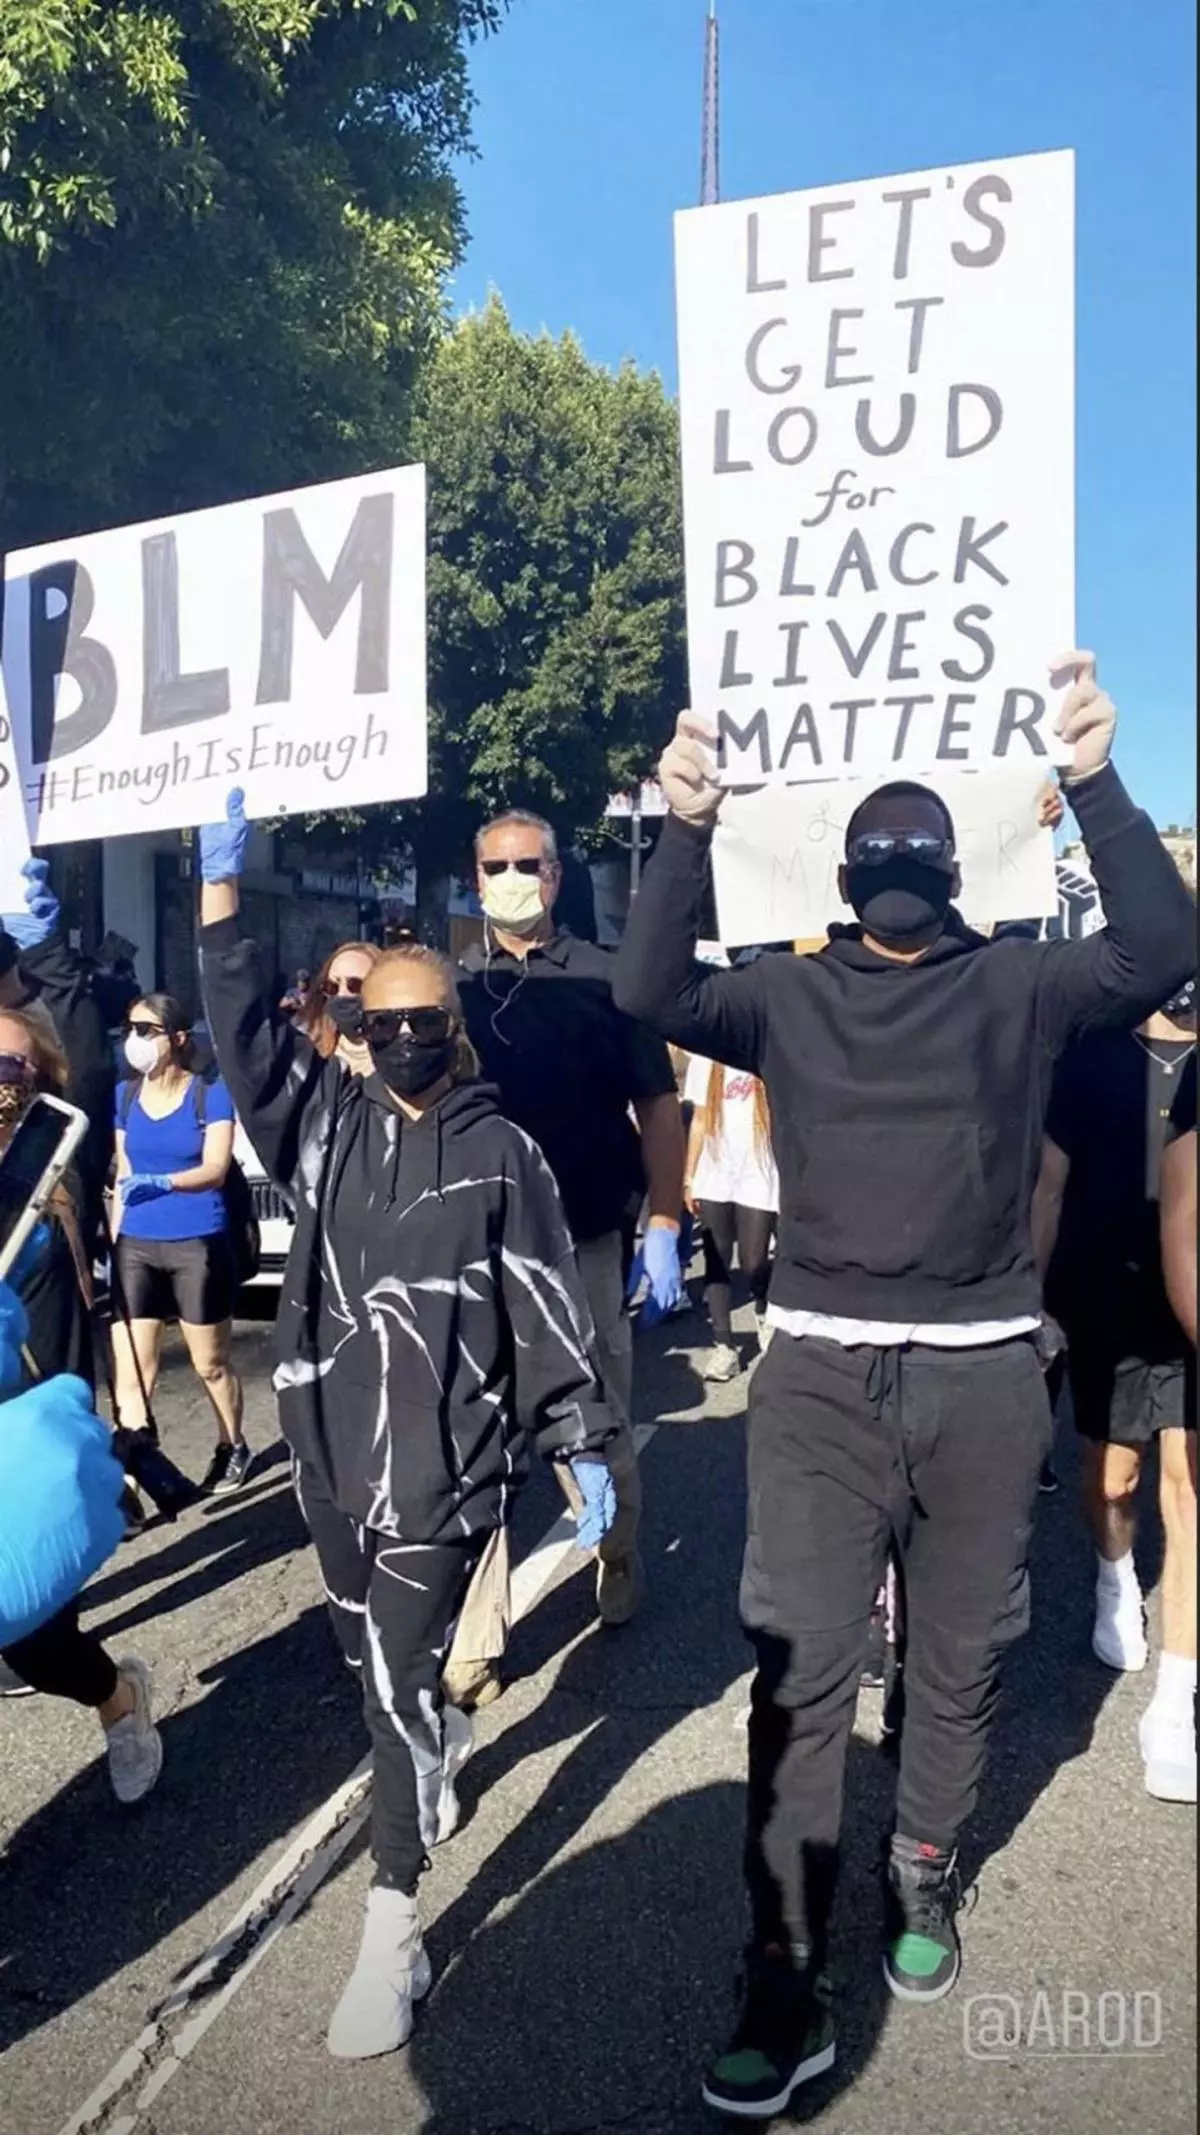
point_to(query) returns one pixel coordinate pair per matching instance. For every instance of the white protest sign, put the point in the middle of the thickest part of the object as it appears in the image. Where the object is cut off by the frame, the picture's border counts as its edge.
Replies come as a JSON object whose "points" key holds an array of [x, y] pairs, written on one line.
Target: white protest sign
{"points": [[276, 644], [877, 411], [777, 851]]}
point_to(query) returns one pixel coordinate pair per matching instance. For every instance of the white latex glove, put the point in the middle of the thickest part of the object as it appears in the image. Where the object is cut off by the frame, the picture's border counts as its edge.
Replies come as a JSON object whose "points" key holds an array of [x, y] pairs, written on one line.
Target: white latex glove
{"points": [[685, 771], [1088, 718]]}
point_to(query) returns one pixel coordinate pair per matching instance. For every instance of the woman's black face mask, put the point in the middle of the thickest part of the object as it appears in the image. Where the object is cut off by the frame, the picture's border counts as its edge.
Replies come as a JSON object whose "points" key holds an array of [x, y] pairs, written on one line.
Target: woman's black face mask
{"points": [[344, 1011], [408, 1067]]}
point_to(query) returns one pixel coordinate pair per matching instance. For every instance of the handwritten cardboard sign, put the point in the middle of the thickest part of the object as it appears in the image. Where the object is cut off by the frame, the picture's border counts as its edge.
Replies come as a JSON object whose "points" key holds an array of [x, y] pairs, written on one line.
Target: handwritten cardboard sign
{"points": [[276, 644], [777, 851], [877, 405]]}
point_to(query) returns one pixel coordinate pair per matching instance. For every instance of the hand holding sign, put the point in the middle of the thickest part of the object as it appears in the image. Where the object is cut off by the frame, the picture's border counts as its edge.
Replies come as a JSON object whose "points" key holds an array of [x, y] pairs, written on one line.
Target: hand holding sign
{"points": [[685, 771], [1088, 719]]}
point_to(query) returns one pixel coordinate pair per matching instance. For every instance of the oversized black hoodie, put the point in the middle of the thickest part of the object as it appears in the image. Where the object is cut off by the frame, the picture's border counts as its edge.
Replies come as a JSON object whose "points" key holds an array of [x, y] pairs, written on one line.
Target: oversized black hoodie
{"points": [[907, 1100], [432, 1316]]}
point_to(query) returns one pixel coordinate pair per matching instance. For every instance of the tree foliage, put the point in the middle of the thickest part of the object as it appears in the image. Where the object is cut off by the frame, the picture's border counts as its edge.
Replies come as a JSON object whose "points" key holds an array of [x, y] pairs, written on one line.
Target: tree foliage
{"points": [[555, 580], [225, 227]]}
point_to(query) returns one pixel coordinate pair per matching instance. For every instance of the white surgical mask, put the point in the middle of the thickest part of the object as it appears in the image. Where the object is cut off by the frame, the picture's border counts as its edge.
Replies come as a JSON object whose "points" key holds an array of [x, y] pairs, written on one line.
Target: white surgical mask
{"points": [[514, 901], [142, 1053]]}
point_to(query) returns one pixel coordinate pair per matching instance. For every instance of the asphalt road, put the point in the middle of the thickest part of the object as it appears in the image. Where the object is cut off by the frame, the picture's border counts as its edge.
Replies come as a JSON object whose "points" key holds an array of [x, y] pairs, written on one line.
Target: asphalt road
{"points": [[585, 1924]]}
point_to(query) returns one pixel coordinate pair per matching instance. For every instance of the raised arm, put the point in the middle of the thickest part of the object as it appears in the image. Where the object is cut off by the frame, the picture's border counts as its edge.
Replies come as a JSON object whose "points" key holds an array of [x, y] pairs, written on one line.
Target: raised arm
{"points": [[657, 978], [1147, 947], [279, 1085]]}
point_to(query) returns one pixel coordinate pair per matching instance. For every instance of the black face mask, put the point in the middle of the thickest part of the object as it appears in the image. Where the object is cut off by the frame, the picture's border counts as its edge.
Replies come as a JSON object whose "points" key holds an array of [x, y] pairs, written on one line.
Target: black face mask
{"points": [[408, 1068], [900, 902], [345, 1013]]}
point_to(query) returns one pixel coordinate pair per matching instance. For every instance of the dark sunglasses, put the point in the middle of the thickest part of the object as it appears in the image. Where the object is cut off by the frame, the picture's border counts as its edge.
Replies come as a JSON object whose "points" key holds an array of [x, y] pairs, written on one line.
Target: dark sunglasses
{"points": [[519, 867], [141, 1029], [428, 1026], [333, 987], [873, 848]]}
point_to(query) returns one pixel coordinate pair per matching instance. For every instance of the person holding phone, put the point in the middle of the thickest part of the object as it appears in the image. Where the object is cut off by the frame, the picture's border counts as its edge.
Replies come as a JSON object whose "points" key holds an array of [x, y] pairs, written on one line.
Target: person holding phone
{"points": [[333, 1011], [46, 1334], [432, 1322], [173, 1256]]}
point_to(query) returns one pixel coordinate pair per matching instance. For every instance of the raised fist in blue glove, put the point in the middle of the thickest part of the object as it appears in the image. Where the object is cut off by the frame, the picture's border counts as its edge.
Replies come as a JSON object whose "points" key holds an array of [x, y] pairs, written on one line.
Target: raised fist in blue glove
{"points": [[60, 1489], [41, 915], [223, 845], [599, 1502], [143, 1186], [658, 1264]]}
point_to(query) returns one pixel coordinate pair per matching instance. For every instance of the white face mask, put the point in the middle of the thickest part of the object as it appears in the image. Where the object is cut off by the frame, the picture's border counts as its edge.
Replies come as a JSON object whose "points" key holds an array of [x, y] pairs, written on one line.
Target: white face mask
{"points": [[142, 1053], [514, 901]]}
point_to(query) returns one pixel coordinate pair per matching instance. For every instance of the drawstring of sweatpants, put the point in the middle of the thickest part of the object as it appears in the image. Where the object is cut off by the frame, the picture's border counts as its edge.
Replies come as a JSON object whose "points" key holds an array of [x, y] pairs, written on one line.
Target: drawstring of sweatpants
{"points": [[884, 1391]]}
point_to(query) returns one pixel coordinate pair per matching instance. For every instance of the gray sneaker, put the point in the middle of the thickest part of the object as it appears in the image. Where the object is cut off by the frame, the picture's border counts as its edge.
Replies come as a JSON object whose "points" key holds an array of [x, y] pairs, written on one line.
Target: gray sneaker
{"points": [[237, 1469], [721, 1364], [134, 1745]]}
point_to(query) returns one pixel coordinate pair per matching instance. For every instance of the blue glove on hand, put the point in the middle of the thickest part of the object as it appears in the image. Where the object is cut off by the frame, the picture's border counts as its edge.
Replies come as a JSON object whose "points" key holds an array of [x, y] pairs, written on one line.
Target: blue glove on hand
{"points": [[143, 1186], [658, 1264], [41, 915], [599, 1502], [14, 1329], [60, 1500], [223, 845]]}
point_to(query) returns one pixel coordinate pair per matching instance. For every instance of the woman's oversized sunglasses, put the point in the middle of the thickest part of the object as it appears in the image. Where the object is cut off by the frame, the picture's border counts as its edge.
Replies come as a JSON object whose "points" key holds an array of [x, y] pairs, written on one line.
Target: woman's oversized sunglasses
{"points": [[428, 1026]]}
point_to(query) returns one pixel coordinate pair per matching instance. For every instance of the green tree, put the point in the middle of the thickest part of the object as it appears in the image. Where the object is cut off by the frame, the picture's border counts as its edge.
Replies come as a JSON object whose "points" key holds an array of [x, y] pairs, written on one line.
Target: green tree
{"points": [[555, 581], [225, 227]]}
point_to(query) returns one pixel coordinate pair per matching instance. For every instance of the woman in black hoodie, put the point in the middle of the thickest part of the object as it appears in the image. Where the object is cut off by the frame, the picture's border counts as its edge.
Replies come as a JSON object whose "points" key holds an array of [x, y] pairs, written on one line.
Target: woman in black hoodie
{"points": [[431, 1318]]}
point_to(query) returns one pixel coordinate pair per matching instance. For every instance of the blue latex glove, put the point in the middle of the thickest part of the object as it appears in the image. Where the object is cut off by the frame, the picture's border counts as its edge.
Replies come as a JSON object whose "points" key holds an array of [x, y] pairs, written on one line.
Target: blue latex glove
{"points": [[142, 1186], [599, 1502], [41, 915], [14, 1329], [60, 1499], [223, 845], [658, 1264]]}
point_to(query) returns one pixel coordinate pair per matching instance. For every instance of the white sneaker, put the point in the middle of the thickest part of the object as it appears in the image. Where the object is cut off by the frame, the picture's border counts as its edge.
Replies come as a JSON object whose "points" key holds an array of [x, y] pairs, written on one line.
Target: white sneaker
{"points": [[1168, 1745], [764, 1331], [721, 1364], [134, 1745], [1119, 1632], [392, 1972], [458, 1745]]}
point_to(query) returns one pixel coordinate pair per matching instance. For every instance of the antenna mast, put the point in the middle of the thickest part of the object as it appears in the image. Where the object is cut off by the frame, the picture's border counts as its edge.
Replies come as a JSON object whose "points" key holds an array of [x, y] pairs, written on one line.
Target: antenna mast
{"points": [[710, 149]]}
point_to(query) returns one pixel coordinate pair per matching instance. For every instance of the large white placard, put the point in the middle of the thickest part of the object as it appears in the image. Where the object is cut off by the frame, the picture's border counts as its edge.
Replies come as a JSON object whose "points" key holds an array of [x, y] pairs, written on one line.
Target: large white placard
{"points": [[777, 851], [14, 837], [877, 405], [277, 644]]}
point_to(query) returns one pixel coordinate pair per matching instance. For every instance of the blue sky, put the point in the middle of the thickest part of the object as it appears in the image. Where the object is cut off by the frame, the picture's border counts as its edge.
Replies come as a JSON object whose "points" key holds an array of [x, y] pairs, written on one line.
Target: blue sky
{"points": [[588, 126]]}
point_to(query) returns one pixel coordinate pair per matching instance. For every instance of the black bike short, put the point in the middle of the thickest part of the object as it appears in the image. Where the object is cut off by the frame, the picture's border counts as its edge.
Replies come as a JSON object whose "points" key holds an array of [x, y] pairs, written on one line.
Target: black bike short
{"points": [[189, 1279], [1123, 1401]]}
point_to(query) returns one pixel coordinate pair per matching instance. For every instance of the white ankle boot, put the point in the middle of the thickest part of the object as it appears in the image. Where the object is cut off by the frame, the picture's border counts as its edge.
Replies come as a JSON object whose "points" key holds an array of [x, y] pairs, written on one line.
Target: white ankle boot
{"points": [[375, 2013]]}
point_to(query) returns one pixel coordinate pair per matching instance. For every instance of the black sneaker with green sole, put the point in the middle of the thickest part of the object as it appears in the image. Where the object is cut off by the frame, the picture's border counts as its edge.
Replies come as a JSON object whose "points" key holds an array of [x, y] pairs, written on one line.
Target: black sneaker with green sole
{"points": [[923, 1957], [784, 2038]]}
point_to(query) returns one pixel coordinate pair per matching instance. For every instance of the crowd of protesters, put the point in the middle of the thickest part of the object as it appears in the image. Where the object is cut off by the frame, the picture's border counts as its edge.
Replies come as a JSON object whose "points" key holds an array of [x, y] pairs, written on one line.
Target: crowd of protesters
{"points": [[914, 1149]]}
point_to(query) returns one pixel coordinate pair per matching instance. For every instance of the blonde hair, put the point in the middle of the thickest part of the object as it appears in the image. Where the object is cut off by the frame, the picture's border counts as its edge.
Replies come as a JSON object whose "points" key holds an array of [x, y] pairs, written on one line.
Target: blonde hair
{"points": [[465, 1065], [714, 1100], [316, 1024]]}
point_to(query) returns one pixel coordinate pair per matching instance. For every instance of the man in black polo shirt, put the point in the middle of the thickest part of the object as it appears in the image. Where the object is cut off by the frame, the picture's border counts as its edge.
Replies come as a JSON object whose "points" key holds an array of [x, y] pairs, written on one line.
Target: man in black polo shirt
{"points": [[570, 1069]]}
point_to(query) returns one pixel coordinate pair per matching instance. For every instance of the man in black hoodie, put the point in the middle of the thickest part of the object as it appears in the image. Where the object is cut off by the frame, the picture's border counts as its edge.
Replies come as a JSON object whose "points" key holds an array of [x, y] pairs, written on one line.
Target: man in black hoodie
{"points": [[907, 1070]]}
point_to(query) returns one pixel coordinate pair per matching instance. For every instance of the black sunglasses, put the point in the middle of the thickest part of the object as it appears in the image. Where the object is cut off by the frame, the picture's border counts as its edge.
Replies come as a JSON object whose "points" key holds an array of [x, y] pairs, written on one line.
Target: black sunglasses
{"points": [[872, 848], [333, 987], [141, 1029], [520, 867], [428, 1026]]}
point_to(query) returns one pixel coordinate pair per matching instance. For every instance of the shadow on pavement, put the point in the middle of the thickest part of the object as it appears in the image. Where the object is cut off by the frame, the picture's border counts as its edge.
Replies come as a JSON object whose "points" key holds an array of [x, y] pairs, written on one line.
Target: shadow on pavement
{"points": [[89, 1890]]}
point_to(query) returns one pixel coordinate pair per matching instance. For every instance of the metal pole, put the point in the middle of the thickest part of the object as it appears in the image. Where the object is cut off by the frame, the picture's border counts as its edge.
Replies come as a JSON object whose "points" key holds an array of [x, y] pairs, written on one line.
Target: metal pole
{"points": [[635, 849]]}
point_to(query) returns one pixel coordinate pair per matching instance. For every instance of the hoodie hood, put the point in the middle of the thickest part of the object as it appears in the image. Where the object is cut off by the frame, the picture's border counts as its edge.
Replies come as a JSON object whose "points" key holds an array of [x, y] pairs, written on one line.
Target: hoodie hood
{"points": [[846, 946], [416, 1148]]}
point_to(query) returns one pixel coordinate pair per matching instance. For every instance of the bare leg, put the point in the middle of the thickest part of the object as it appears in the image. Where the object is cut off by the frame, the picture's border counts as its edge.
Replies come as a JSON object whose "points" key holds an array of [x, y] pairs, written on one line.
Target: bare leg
{"points": [[128, 1361], [1177, 1498], [1110, 1478], [209, 1350]]}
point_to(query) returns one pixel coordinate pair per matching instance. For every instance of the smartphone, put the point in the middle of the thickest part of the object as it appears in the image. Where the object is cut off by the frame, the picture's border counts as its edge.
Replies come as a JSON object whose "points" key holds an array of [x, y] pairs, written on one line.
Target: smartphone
{"points": [[42, 1146]]}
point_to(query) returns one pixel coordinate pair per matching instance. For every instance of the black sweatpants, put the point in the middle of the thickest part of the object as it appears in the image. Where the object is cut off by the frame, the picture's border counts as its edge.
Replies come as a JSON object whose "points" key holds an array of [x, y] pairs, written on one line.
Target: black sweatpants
{"points": [[940, 1449], [62, 1661], [394, 1607], [726, 1223]]}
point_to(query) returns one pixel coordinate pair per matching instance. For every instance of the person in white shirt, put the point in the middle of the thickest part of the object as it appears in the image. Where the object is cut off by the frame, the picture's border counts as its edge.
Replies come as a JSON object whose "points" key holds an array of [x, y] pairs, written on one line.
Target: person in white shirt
{"points": [[732, 1186]]}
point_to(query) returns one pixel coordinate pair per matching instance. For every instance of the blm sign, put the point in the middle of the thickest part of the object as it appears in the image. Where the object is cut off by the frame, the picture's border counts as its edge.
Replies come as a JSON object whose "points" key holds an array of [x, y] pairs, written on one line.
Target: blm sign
{"points": [[877, 408]]}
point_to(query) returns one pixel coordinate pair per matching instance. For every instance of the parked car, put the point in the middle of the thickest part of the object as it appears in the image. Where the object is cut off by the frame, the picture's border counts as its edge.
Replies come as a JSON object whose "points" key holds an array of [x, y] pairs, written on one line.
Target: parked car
{"points": [[276, 1217]]}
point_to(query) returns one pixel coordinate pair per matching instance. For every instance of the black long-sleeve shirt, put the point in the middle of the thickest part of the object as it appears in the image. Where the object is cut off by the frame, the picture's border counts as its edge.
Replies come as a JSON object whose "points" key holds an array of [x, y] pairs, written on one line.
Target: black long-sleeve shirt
{"points": [[56, 978], [907, 1100], [432, 1315]]}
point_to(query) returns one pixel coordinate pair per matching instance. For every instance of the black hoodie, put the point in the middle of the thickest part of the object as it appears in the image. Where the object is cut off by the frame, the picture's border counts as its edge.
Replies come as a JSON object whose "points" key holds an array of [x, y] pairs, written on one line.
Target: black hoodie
{"points": [[432, 1312], [907, 1100]]}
